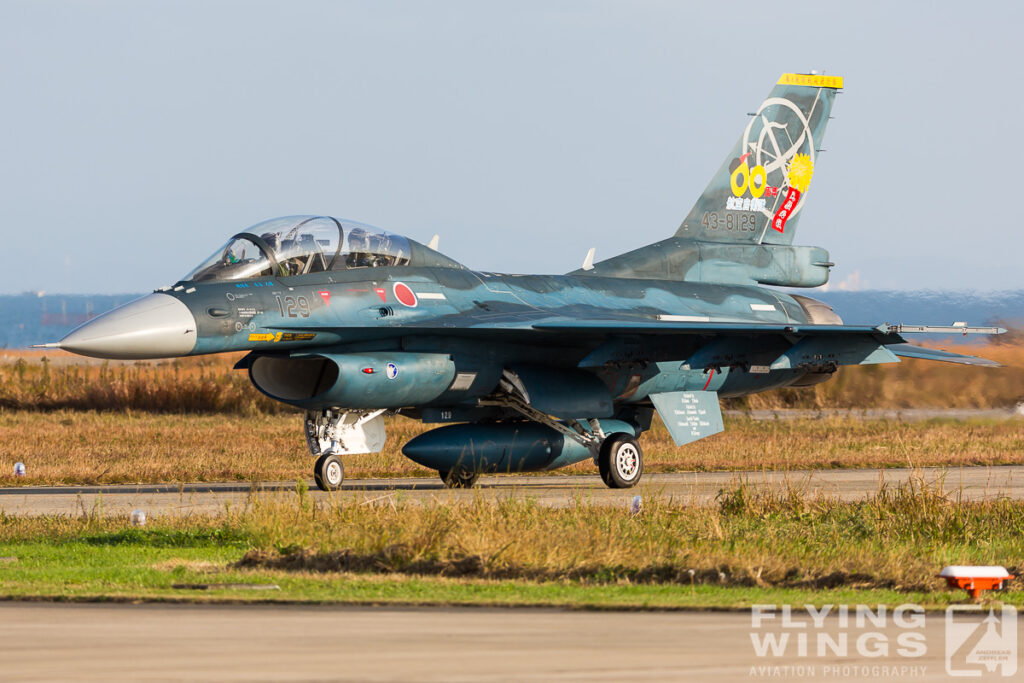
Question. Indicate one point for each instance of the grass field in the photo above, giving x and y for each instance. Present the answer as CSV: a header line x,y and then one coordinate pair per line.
x,y
744,549
88,447
207,384
73,421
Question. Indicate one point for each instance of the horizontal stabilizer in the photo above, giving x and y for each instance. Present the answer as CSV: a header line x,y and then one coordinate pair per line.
x,y
689,415
911,351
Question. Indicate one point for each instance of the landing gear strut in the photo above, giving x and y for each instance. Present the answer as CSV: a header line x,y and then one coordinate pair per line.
x,y
620,461
618,456
334,432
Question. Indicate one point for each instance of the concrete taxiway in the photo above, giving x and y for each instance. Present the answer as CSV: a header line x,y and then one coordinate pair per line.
x,y
973,483
301,643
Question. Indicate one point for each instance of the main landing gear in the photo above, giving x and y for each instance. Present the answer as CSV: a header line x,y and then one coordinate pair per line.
x,y
618,455
620,461
459,479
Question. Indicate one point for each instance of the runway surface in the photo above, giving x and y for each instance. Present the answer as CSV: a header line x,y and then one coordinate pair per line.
x,y
972,483
258,643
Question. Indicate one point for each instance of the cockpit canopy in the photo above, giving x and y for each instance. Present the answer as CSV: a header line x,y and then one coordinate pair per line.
x,y
300,245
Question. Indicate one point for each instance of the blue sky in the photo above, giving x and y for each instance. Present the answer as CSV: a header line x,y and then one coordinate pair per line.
x,y
135,137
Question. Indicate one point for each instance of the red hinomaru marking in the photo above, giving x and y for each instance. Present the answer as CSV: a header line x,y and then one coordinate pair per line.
x,y
325,295
405,296
382,293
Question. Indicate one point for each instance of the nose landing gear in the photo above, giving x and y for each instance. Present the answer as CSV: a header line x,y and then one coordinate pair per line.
x,y
329,472
330,433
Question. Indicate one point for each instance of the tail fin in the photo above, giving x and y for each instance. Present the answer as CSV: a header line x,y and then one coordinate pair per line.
x,y
760,190
741,229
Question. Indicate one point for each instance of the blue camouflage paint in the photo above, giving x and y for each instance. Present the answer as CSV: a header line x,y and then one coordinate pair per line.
x,y
340,316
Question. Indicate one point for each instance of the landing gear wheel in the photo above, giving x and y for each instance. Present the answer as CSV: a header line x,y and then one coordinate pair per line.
x,y
329,473
621,461
459,479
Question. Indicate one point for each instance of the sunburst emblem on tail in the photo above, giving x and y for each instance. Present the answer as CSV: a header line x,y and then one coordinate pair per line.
x,y
801,168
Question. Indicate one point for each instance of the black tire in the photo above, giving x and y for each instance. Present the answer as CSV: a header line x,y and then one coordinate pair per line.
x,y
621,461
459,479
329,473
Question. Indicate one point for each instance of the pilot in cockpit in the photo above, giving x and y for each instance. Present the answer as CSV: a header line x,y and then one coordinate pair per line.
x,y
360,255
273,240
288,266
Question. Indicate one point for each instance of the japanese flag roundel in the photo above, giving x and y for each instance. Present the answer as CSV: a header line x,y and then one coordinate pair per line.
x,y
404,294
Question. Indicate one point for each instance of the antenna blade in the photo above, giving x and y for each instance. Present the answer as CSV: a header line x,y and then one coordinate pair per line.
x,y
588,262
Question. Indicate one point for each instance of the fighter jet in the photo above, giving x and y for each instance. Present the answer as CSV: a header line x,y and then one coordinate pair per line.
x,y
529,372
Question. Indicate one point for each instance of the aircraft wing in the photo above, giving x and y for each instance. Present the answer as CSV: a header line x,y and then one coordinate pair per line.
x,y
888,336
861,337
621,326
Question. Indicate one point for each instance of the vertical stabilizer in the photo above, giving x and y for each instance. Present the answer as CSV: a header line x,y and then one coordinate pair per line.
x,y
758,194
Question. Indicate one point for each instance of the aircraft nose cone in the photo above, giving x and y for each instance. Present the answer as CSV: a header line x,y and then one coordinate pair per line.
x,y
155,326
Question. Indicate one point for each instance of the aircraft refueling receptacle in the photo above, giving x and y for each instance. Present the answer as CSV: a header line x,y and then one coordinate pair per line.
x,y
528,372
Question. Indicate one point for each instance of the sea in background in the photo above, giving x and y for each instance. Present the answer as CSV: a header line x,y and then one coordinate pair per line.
x,y
37,318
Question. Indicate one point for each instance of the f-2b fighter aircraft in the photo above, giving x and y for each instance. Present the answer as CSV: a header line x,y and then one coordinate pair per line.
x,y
530,372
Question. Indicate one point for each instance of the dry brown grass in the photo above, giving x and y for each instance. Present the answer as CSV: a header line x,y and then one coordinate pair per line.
x,y
59,381
75,420
896,539
912,384
94,447
207,384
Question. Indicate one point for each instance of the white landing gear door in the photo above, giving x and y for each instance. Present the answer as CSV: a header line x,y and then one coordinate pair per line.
x,y
330,432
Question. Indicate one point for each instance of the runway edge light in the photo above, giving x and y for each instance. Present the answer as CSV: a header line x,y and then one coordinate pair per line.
x,y
975,579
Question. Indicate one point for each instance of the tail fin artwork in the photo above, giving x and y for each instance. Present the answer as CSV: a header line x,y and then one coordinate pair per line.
x,y
758,193
741,227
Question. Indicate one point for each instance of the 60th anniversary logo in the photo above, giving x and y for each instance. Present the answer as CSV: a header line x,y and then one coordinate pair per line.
x,y
860,641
